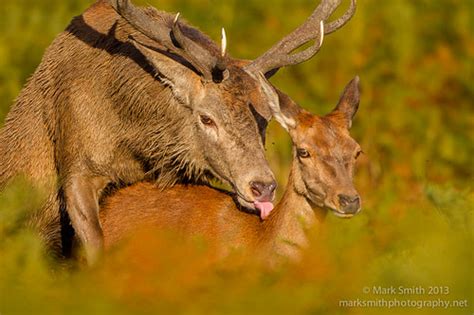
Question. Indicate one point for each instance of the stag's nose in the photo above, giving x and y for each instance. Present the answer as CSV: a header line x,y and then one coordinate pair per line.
x,y
349,204
263,191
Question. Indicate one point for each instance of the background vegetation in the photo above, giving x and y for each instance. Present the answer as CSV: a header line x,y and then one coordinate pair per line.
x,y
415,124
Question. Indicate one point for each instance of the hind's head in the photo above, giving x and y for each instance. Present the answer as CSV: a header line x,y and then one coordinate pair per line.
x,y
325,153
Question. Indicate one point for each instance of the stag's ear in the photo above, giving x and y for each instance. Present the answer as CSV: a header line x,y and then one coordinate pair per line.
x,y
185,83
280,104
348,103
288,113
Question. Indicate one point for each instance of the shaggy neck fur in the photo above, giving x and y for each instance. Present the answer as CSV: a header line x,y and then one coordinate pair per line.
x,y
93,95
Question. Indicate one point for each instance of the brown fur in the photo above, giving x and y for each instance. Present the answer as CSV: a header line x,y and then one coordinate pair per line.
x,y
102,110
194,210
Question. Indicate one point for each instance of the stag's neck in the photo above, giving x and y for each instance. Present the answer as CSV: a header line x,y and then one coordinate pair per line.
x,y
291,219
170,152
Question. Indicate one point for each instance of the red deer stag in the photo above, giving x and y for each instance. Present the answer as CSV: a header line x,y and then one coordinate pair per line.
x,y
324,155
126,94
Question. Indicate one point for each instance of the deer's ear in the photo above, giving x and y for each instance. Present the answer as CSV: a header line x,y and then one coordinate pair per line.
x,y
348,103
185,83
288,111
282,107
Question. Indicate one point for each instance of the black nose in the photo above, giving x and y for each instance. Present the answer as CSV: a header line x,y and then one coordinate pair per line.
x,y
349,204
263,191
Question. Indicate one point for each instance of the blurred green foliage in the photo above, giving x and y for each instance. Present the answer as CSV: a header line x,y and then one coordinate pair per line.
x,y
415,124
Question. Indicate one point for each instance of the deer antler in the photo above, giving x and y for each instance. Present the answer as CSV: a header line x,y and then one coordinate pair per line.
x,y
172,38
314,28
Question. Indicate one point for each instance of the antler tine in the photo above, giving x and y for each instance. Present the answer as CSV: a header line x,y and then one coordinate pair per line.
x,y
138,19
306,54
334,26
173,39
223,43
199,57
314,27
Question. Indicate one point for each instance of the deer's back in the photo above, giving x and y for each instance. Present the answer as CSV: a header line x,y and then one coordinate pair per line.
x,y
189,210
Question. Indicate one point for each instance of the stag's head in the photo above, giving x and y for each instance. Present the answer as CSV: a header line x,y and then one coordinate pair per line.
x,y
230,100
324,152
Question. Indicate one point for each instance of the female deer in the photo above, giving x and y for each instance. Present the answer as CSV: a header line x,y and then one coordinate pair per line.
x,y
324,155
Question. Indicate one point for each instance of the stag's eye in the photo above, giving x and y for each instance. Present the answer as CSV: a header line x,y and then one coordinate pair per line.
x,y
206,120
302,153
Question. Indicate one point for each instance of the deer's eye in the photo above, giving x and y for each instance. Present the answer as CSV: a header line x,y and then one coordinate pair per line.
x,y
358,154
302,153
206,120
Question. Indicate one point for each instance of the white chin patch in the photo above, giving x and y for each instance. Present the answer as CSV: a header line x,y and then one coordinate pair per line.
x,y
342,215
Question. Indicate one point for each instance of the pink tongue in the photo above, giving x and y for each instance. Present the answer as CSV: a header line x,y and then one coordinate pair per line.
x,y
264,207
